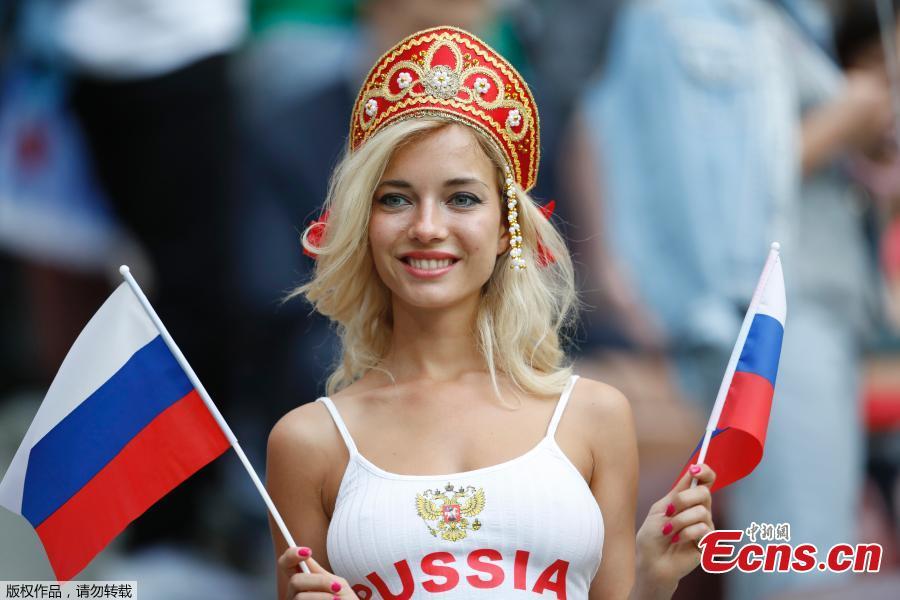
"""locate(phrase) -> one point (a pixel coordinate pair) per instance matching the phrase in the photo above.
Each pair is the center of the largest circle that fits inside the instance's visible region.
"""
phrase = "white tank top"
(525, 528)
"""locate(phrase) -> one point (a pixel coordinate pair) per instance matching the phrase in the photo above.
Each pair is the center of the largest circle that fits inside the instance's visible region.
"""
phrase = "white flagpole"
(213, 409)
(887, 24)
(736, 354)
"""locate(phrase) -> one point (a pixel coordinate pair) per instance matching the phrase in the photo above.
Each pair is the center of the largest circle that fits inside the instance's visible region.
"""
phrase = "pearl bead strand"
(517, 263)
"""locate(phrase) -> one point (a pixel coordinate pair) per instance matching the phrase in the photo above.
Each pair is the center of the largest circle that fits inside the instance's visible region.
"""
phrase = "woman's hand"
(318, 584)
(667, 541)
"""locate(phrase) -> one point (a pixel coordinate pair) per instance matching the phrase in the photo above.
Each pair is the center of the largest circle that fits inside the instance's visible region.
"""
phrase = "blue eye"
(465, 200)
(392, 200)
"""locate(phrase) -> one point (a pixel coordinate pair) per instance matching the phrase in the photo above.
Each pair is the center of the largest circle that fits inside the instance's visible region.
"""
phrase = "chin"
(429, 300)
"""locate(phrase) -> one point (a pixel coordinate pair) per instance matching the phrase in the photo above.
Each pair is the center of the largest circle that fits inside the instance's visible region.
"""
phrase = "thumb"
(684, 482)
(290, 559)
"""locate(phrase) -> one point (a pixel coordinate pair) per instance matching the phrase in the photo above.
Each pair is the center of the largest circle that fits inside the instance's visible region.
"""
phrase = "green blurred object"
(268, 13)
(343, 14)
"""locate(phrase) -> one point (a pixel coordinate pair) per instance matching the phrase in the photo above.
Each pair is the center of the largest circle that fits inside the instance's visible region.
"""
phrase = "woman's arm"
(647, 567)
(614, 484)
(858, 119)
(296, 470)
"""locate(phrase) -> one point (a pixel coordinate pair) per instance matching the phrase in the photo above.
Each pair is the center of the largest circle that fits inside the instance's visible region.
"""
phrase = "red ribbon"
(316, 233)
(544, 256)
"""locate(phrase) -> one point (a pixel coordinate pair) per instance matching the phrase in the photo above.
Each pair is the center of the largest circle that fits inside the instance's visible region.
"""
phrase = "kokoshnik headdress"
(449, 73)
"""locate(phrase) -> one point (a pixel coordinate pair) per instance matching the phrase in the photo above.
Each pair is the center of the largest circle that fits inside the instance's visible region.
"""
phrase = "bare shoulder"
(307, 433)
(604, 420)
(599, 404)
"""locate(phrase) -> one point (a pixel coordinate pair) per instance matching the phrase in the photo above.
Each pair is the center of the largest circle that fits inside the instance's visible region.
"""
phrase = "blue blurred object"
(51, 208)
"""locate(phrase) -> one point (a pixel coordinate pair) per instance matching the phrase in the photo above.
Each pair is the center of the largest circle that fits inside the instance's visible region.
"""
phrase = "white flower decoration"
(371, 107)
(514, 118)
(482, 85)
(440, 80)
(404, 79)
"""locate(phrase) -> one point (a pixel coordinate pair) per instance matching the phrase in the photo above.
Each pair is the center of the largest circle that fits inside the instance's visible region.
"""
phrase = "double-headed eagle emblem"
(446, 513)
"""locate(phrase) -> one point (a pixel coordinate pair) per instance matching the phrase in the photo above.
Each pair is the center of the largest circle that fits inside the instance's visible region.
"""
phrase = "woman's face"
(436, 228)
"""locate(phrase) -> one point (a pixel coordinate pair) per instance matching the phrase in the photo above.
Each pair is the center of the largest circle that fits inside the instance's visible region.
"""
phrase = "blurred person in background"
(150, 89)
(720, 126)
(860, 52)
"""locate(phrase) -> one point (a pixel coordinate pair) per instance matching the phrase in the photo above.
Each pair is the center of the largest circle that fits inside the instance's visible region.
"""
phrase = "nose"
(428, 223)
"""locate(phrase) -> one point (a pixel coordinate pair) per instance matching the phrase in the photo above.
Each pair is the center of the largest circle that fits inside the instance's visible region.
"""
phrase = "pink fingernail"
(674, 538)
(335, 598)
(304, 551)
(335, 586)
(670, 510)
(667, 529)
(695, 469)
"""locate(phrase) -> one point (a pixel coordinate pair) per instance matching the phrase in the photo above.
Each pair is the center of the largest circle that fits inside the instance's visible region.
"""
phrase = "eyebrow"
(400, 183)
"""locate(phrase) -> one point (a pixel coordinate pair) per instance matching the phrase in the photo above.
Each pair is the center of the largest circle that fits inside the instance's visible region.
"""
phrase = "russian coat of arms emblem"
(448, 513)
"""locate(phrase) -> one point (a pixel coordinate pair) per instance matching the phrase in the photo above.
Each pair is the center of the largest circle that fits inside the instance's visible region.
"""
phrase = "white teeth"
(429, 265)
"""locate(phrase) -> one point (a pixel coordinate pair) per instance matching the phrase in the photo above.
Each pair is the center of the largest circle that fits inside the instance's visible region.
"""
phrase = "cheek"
(482, 235)
(382, 232)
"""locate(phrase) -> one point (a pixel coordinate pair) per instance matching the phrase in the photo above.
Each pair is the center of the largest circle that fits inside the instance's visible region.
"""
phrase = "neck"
(434, 344)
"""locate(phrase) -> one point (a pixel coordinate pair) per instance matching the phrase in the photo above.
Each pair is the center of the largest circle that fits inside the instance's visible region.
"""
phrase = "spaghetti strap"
(340, 424)
(561, 406)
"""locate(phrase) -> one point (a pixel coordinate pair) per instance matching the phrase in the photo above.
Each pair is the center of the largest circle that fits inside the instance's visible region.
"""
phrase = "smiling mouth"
(428, 264)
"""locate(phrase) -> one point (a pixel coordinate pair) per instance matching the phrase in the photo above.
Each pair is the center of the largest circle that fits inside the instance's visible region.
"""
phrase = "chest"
(454, 438)
(524, 528)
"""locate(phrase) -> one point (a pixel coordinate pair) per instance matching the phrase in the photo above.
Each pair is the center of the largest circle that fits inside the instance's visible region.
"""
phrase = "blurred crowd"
(193, 140)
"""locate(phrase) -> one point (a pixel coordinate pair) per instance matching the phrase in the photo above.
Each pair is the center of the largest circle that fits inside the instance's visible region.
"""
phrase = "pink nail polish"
(670, 510)
(335, 598)
(304, 551)
(695, 469)
(674, 538)
(335, 586)
(667, 529)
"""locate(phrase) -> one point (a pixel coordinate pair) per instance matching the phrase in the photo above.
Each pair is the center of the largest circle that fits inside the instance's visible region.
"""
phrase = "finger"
(698, 496)
(314, 596)
(692, 534)
(690, 516)
(660, 505)
(314, 582)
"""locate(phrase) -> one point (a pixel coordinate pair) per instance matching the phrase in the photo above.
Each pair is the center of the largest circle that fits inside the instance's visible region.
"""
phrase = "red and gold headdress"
(450, 73)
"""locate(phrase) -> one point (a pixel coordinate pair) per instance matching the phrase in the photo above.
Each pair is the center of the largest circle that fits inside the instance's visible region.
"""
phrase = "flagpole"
(213, 409)
(774, 249)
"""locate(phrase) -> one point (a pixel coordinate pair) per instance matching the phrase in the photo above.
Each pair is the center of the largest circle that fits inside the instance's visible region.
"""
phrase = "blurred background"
(193, 140)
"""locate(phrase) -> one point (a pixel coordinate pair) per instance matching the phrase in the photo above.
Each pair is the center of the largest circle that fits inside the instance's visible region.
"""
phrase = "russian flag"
(120, 427)
(740, 417)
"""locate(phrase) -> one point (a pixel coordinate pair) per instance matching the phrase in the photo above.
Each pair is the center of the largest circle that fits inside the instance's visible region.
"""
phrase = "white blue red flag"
(736, 432)
(120, 427)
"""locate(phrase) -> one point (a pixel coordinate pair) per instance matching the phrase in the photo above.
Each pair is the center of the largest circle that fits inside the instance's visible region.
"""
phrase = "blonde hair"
(522, 320)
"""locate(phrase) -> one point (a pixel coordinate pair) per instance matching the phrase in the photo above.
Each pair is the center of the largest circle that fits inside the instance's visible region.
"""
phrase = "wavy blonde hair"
(523, 318)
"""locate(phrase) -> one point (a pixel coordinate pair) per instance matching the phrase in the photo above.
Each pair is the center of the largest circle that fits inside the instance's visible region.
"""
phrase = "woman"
(450, 291)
